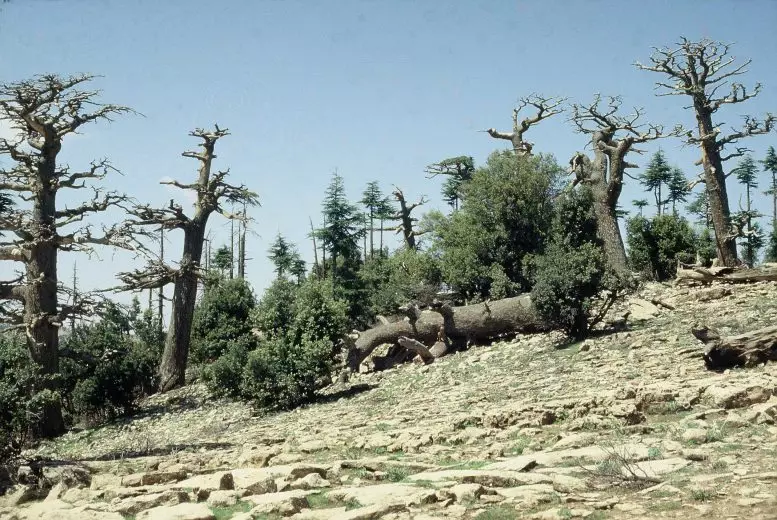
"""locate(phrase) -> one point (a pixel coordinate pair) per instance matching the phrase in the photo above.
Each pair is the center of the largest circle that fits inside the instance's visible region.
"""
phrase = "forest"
(528, 243)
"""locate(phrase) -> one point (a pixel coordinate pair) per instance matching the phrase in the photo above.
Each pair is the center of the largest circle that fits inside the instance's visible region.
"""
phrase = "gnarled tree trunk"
(479, 322)
(172, 368)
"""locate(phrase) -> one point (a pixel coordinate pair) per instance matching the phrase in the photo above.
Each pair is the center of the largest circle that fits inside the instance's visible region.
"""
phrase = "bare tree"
(613, 136)
(545, 106)
(406, 220)
(212, 191)
(43, 111)
(700, 70)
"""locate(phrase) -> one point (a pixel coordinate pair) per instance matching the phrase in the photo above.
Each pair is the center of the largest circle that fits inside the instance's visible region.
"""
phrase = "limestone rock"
(730, 396)
(178, 512)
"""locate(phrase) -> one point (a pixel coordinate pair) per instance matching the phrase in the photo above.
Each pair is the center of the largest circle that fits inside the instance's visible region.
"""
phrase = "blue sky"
(374, 89)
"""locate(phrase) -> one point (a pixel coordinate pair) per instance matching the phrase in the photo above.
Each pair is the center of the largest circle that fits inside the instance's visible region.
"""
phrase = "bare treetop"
(703, 70)
(545, 108)
(50, 107)
(593, 118)
(696, 65)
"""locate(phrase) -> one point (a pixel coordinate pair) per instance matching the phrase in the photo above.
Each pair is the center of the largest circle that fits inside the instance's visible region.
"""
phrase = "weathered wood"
(726, 274)
(479, 322)
(417, 347)
(745, 350)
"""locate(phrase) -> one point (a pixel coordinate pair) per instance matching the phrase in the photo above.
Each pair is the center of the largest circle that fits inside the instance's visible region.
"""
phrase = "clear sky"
(374, 89)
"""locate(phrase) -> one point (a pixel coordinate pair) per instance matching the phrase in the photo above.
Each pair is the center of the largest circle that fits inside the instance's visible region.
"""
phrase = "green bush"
(221, 318)
(505, 214)
(705, 246)
(17, 380)
(301, 327)
(318, 315)
(406, 275)
(566, 282)
(274, 313)
(571, 275)
(223, 376)
(656, 245)
(771, 245)
(281, 374)
(104, 368)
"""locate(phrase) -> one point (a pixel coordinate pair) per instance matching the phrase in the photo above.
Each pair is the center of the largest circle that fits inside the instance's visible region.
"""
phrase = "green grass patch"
(227, 512)
(323, 501)
(664, 505)
(467, 464)
(397, 473)
(702, 495)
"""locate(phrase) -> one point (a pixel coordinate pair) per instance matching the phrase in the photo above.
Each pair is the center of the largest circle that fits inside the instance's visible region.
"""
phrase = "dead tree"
(212, 191)
(43, 111)
(454, 326)
(699, 70)
(745, 350)
(545, 106)
(612, 138)
(459, 171)
(406, 220)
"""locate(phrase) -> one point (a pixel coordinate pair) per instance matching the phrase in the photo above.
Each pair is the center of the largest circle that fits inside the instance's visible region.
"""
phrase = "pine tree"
(700, 208)
(747, 174)
(282, 255)
(340, 236)
(657, 174)
(222, 259)
(372, 199)
(677, 188)
(640, 204)
(770, 165)
(385, 211)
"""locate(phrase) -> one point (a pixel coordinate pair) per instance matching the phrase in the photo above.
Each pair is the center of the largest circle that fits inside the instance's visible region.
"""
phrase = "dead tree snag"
(212, 191)
(545, 108)
(699, 70)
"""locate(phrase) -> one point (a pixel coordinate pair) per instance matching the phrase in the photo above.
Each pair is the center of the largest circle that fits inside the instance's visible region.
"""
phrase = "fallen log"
(726, 274)
(745, 350)
(479, 322)
(418, 348)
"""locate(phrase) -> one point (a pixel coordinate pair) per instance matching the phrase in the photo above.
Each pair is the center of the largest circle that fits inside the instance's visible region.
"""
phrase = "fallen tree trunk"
(479, 322)
(745, 350)
(726, 274)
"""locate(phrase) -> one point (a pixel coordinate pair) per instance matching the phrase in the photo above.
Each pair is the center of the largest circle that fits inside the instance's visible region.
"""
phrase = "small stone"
(222, 498)
(698, 435)
(310, 481)
(226, 482)
(467, 492)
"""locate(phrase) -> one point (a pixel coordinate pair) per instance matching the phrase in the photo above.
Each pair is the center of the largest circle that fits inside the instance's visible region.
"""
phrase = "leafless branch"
(545, 107)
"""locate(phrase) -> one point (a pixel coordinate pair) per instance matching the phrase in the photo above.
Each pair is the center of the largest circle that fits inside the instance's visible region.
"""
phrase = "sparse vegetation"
(482, 343)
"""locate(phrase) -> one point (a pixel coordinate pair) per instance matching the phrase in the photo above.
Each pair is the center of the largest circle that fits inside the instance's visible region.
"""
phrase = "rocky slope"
(628, 425)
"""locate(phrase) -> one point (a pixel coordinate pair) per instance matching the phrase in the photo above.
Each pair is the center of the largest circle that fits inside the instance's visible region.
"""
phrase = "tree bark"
(715, 184)
(745, 350)
(479, 322)
(40, 301)
(725, 274)
(606, 194)
(172, 368)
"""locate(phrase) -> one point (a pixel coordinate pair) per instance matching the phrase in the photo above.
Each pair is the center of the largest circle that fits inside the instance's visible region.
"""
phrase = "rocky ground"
(624, 426)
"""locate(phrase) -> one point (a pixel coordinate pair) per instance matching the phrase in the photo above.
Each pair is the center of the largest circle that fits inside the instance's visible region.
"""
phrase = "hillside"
(627, 425)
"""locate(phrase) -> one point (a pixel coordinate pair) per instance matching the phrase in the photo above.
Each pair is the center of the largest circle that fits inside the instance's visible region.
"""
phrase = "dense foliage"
(657, 244)
(106, 366)
(505, 215)
(571, 272)
(221, 319)
(299, 329)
